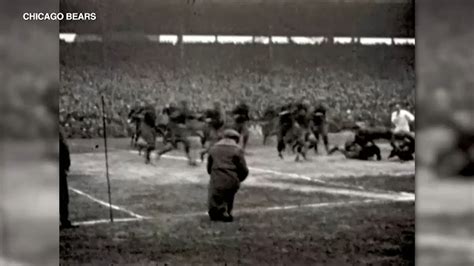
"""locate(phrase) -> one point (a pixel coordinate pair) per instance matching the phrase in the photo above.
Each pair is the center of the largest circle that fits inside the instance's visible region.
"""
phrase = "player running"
(319, 125)
(178, 130)
(215, 119)
(241, 119)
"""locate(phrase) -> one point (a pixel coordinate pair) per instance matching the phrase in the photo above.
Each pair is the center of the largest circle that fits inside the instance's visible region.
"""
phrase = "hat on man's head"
(360, 124)
(230, 133)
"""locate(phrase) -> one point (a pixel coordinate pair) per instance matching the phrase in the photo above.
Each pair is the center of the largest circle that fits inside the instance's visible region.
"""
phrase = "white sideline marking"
(303, 177)
(107, 204)
(257, 170)
(286, 207)
(315, 179)
(401, 196)
(105, 221)
(241, 211)
(293, 175)
(311, 205)
(386, 195)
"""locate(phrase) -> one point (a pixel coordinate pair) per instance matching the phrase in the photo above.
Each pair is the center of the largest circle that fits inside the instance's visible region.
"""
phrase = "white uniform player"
(401, 119)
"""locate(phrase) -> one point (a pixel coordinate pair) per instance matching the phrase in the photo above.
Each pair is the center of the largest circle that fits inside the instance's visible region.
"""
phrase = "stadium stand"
(364, 79)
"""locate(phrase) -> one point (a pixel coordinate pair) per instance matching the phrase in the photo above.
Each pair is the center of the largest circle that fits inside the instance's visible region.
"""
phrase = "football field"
(327, 210)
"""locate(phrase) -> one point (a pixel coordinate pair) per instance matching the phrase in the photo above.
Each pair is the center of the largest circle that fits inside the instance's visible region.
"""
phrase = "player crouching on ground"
(353, 150)
(227, 167)
(363, 146)
(403, 146)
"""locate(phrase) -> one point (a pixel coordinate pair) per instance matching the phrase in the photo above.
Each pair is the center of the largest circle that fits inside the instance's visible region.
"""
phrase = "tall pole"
(106, 159)
(103, 20)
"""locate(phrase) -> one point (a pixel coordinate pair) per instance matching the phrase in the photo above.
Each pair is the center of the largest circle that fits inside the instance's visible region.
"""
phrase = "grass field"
(328, 210)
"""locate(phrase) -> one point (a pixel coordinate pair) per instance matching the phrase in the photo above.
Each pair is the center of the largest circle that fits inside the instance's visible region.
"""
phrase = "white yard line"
(105, 221)
(238, 211)
(297, 176)
(255, 169)
(318, 180)
(106, 204)
(303, 206)
(303, 177)
(286, 207)
(394, 196)
(348, 189)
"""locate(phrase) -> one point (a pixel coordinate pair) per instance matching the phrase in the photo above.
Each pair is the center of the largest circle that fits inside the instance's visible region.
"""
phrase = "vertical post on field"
(103, 23)
(106, 158)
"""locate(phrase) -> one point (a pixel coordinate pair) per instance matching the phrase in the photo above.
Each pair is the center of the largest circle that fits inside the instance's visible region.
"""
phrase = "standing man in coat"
(227, 167)
(64, 164)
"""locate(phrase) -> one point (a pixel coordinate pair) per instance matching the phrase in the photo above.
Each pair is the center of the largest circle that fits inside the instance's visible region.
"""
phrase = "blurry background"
(445, 198)
(29, 172)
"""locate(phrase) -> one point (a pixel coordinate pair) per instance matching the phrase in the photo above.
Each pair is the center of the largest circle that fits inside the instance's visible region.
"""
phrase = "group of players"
(299, 124)
(302, 124)
(176, 123)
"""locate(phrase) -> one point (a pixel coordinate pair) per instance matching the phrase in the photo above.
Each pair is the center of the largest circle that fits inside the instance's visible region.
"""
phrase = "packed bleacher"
(367, 80)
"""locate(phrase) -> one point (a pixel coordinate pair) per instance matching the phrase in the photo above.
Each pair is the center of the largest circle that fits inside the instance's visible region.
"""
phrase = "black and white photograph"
(227, 132)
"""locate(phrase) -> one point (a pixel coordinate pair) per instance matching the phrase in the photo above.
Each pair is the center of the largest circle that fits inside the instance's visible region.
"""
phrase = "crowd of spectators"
(364, 81)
